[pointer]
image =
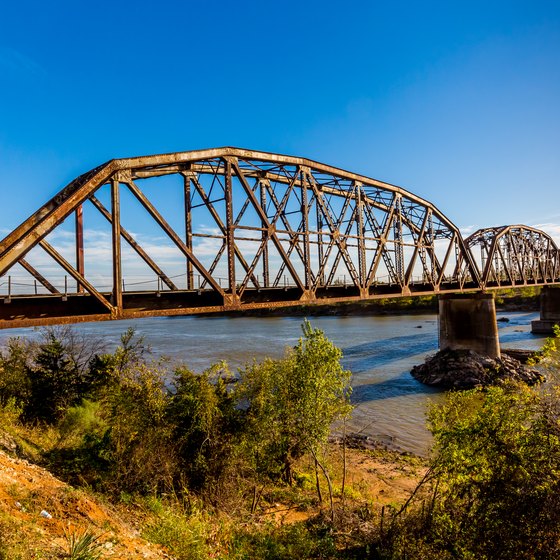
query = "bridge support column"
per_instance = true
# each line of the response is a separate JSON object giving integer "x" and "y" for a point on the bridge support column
{"x": 550, "y": 311}
{"x": 468, "y": 322}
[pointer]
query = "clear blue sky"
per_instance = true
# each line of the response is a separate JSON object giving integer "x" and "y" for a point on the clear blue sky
{"x": 458, "y": 102}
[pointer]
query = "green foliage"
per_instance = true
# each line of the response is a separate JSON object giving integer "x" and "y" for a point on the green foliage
{"x": 48, "y": 377}
{"x": 119, "y": 441}
{"x": 292, "y": 402}
{"x": 122, "y": 427}
{"x": 15, "y": 383}
{"x": 205, "y": 424}
{"x": 549, "y": 354}
{"x": 494, "y": 480}
{"x": 84, "y": 546}
{"x": 525, "y": 295}
{"x": 295, "y": 540}
{"x": 80, "y": 420}
{"x": 10, "y": 414}
{"x": 137, "y": 443}
{"x": 186, "y": 536}
{"x": 323, "y": 386}
{"x": 499, "y": 468}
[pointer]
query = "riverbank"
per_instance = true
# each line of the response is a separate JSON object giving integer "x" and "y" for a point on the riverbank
{"x": 376, "y": 501}
{"x": 41, "y": 514}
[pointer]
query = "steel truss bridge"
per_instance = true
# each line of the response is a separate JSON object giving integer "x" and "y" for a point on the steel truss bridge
{"x": 231, "y": 229}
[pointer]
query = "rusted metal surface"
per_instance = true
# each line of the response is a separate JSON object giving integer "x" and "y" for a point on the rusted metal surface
{"x": 38, "y": 276}
{"x": 278, "y": 230}
{"x": 515, "y": 256}
{"x": 116, "y": 246}
{"x": 132, "y": 242}
{"x": 80, "y": 266}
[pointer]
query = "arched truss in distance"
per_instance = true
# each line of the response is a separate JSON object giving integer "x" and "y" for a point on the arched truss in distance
{"x": 258, "y": 230}
{"x": 514, "y": 256}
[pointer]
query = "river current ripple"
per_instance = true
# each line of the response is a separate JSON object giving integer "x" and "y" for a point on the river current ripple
{"x": 379, "y": 350}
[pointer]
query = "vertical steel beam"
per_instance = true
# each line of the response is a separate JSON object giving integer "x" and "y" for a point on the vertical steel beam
{"x": 188, "y": 229}
{"x": 230, "y": 231}
{"x": 433, "y": 269}
{"x": 361, "y": 233}
{"x": 305, "y": 218}
{"x": 264, "y": 237}
{"x": 116, "y": 230}
{"x": 320, "y": 248}
{"x": 398, "y": 242}
{"x": 80, "y": 244}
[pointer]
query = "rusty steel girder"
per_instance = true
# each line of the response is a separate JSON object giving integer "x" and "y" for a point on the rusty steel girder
{"x": 282, "y": 230}
{"x": 514, "y": 256}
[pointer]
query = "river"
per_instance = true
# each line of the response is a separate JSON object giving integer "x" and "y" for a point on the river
{"x": 379, "y": 350}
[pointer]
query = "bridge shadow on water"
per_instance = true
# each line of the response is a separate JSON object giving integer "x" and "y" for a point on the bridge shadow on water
{"x": 364, "y": 357}
{"x": 366, "y": 361}
{"x": 401, "y": 385}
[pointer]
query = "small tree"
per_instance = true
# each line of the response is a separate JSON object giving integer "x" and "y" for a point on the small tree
{"x": 292, "y": 403}
{"x": 492, "y": 491}
{"x": 15, "y": 383}
{"x": 55, "y": 381}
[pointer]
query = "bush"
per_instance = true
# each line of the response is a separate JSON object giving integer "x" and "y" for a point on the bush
{"x": 206, "y": 426}
{"x": 185, "y": 536}
{"x": 494, "y": 480}
{"x": 15, "y": 383}
{"x": 48, "y": 377}
{"x": 295, "y": 540}
{"x": 498, "y": 466}
{"x": 292, "y": 402}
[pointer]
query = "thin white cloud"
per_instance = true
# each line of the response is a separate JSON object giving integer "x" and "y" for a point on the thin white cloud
{"x": 14, "y": 61}
{"x": 467, "y": 230}
{"x": 552, "y": 229}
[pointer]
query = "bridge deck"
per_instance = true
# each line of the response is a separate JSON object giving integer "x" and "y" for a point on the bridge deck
{"x": 41, "y": 310}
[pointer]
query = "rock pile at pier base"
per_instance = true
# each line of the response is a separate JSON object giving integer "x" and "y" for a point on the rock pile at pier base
{"x": 466, "y": 369}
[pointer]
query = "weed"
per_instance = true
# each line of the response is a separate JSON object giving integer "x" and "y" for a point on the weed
{"x": 185, "y": 536}
{"x": 84, "y": 546}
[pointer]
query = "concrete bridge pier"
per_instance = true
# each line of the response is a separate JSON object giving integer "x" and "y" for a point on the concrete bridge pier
{"x": 468, "y": 322}
{"x": 550, "y": 311}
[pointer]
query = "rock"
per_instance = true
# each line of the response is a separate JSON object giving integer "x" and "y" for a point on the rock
{"x": 466, "y": 369}
{"x": 520, "y": 355}
{"x": 8, "y": 443}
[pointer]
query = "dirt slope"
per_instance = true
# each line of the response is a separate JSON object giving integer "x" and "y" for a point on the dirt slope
{"x": 26, "y": 490}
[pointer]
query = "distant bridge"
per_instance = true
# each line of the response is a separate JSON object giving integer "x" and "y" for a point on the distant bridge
{"x": 245, "y": 230}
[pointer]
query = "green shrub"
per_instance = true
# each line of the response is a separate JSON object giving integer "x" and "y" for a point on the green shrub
{"x": 498, "y": 465}
{"x": 83, "y": 546}
{"x": 50, "y": 376}
{"x": 286, "y": 542}
{"x": 138, "y": 445}
{"x": 292, "y": 402}
{"x": 15, "y": 383}
{"x": 206, "y": 426}
{"x": 185, "y": 536}
{"x": 493, "y": 488}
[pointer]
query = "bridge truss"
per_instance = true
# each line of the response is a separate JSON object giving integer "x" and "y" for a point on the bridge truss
{"x": 514, "y": 256}
{"x": 237, "y": 229}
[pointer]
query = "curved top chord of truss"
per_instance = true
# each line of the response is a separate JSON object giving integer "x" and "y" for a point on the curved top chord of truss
{"x": 514, "y": 255}
{"x": 256, "y": 230}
